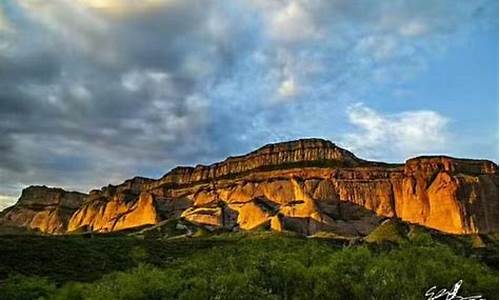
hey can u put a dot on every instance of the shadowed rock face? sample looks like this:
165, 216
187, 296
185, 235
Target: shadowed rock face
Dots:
305, 186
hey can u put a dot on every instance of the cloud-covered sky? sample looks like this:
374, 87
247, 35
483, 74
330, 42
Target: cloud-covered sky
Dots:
96, 91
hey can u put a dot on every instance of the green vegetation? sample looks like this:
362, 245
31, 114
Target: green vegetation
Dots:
388, 231
257, 265
77, 258
168, 228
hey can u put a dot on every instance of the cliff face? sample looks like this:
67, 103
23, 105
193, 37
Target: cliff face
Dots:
304, 186
280, 155
44, 209
452, 195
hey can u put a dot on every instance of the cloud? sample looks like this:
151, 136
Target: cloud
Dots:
93, 92
292, 23
395, 136
123, 6
6, 201
413, 28
287, 88
88, 88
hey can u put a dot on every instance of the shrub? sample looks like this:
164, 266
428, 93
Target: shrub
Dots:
21, 287
270, 266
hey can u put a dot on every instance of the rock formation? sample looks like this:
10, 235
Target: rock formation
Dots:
305, 186
43, 209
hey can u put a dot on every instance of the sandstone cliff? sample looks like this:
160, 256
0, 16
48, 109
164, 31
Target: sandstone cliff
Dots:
305, 186
44, 209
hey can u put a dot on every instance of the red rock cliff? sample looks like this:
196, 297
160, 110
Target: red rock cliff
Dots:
306, 186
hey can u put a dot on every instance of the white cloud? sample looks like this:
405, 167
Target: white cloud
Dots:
287, 88
6, 201
399, 135
80, 92
292, 23
135, 80
413, 28
123, 7
132, 81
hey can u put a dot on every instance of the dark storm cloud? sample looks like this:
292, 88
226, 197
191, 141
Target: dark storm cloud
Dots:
37, 68
89, 98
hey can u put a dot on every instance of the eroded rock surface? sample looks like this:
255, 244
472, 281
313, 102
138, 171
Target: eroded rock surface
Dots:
43, 209
115, 208
304, 186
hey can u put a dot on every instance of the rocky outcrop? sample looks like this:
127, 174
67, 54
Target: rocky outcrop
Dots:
452, 195
304, 186
44, 209
116, 208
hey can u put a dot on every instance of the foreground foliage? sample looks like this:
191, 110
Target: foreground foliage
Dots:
270, 266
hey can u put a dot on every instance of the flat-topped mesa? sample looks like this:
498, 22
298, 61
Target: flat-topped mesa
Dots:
37, 195
305, 186
297, 153
43, 208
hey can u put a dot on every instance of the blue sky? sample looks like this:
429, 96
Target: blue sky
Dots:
461, 84
94, 92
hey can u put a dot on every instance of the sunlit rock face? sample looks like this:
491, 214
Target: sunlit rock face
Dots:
304, 186
116, 208
452, 195
44, 209
280, 155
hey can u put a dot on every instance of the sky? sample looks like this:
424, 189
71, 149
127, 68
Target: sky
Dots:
93, 92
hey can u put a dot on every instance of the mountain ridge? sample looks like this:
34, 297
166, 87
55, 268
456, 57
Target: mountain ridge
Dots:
308, 182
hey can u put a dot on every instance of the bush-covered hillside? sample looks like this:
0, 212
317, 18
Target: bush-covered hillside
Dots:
259, 265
